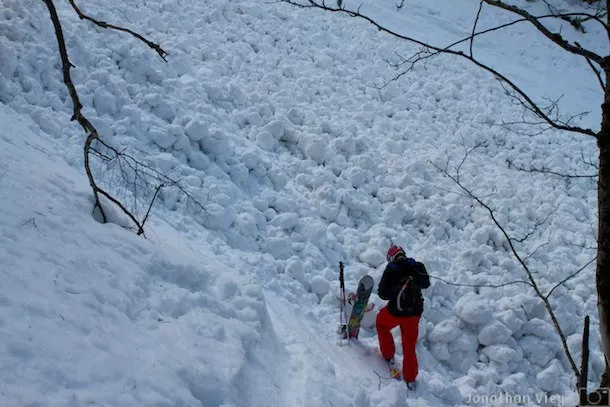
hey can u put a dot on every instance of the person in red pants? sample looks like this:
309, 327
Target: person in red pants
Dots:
401, 285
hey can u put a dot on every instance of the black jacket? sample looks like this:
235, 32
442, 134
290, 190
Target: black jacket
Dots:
404, 301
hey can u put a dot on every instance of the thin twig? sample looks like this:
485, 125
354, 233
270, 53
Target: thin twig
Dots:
596, 71
152, 201
474, 27
565, 280
481, 285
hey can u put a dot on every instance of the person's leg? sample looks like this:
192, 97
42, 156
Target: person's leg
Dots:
408, 331
384, 323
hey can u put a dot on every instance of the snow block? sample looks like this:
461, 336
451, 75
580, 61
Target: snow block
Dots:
499, 353
196, 130
473, 309
494, 332
445, 331
537, 350
510, 319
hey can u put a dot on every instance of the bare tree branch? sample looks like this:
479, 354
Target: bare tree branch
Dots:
431, 50
77, 112
556, 38
511, 243
104, 24
116, 156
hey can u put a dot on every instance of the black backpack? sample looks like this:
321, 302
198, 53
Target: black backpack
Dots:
410, 278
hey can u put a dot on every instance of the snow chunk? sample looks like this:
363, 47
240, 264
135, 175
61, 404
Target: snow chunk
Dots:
285, 204
253, 162
358, 203
320, 286
219, 217
182, 143
162, 137
215, 142
276, 129
246, 225
445, 331
494, 332
510, 319
539, 328
296, 116
547, 379
278, 178
372, 256
394, 213
170, 197
449, 393
278, 246
514, 383
286, 221
8, 62
440, 351
266, 141
196, 130
328, 201
536, 350
294, 267
273, 132
239, 173
104, 102
473, 309
499, 353
314, 147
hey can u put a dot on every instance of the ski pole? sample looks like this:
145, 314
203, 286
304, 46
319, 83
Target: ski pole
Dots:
343, 313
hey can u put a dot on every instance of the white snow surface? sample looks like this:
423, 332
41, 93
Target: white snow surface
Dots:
273, 118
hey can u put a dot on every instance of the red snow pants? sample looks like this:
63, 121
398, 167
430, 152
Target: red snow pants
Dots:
408, 331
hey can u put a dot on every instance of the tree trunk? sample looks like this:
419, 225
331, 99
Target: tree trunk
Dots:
603, 240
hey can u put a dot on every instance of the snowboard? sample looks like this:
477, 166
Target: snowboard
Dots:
363, 293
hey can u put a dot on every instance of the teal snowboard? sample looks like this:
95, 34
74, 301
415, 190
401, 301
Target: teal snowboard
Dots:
363, 293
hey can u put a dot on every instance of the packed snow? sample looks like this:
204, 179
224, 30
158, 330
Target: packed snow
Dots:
285, 125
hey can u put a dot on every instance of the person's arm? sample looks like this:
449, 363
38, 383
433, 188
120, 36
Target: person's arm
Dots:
384, 289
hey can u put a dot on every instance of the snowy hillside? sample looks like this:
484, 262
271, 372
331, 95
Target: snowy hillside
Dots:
272, 118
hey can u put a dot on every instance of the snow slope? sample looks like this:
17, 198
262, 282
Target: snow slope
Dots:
271, 116
92, 314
